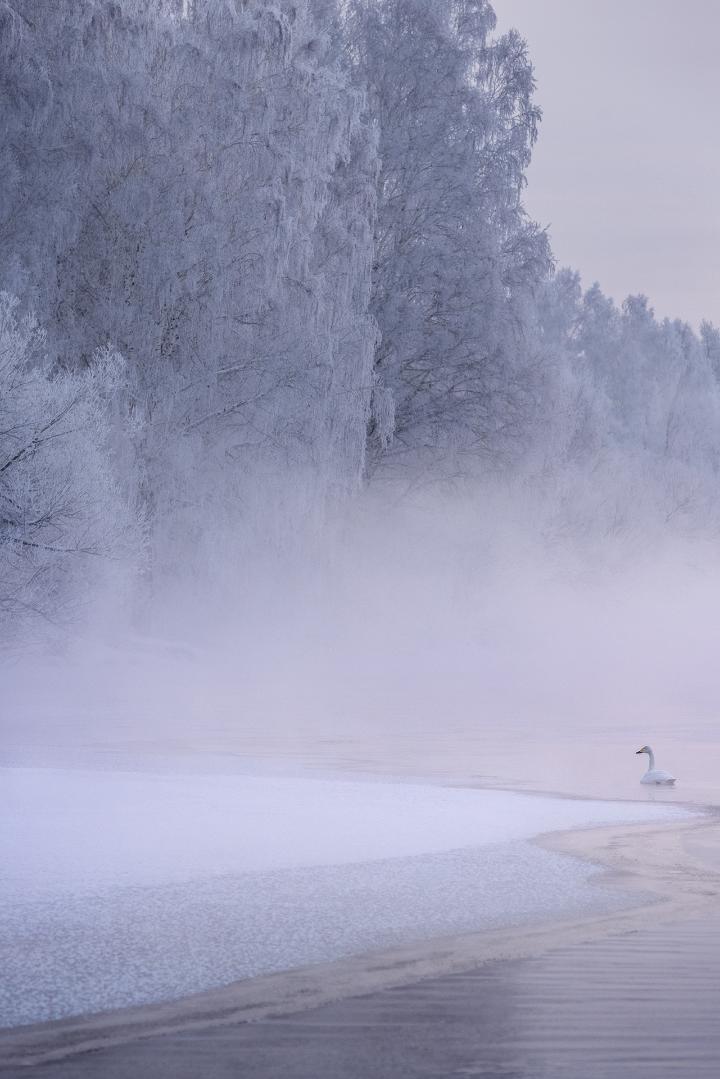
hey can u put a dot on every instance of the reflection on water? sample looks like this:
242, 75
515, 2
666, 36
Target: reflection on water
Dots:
638, 1006
596, 764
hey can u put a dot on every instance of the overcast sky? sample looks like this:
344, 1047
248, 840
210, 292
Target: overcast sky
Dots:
626, 172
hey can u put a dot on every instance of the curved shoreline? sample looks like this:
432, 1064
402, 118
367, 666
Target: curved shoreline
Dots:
671, 876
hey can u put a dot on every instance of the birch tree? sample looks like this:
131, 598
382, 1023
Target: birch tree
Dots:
455, 255
65, 525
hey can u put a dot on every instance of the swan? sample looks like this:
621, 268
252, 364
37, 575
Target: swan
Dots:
653, 774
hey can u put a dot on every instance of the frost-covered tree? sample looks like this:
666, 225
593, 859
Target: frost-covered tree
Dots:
455, 256
631, 416
64, 519
710, 338
200, 180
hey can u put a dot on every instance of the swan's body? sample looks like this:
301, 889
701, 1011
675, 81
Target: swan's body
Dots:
655, 776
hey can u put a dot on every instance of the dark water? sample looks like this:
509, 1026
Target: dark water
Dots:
640, 1005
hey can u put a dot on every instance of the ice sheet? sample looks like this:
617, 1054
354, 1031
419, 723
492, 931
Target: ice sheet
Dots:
85, 831
123, 888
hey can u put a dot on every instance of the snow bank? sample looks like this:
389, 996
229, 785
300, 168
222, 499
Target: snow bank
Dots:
124, 888
84, 832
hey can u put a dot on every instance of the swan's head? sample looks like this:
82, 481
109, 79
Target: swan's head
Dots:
643, 749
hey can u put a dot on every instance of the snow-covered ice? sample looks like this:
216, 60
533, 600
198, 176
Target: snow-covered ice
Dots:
122, 888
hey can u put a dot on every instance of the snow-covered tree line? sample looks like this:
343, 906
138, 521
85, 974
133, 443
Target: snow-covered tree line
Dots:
196, 186
628, 440
257, 253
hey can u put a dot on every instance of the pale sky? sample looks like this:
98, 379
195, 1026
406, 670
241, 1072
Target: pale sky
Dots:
626, 172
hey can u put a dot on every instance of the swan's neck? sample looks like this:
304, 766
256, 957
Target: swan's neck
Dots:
651, 763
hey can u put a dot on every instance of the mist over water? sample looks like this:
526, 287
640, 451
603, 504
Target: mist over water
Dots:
419, 638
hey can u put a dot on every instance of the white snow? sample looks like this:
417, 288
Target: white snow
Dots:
83, 831
122, 888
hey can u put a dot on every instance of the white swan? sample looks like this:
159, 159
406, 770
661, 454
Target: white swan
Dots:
655, 775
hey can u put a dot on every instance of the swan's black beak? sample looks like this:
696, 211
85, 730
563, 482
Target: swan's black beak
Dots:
637, 751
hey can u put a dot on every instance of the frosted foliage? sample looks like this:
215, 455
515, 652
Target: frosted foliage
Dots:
454, 251
631, 401
383, 415
277, 253
212, 216
61, 510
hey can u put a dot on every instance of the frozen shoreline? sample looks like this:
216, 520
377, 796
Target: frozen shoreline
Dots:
86, 832
444, 879
675, 863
